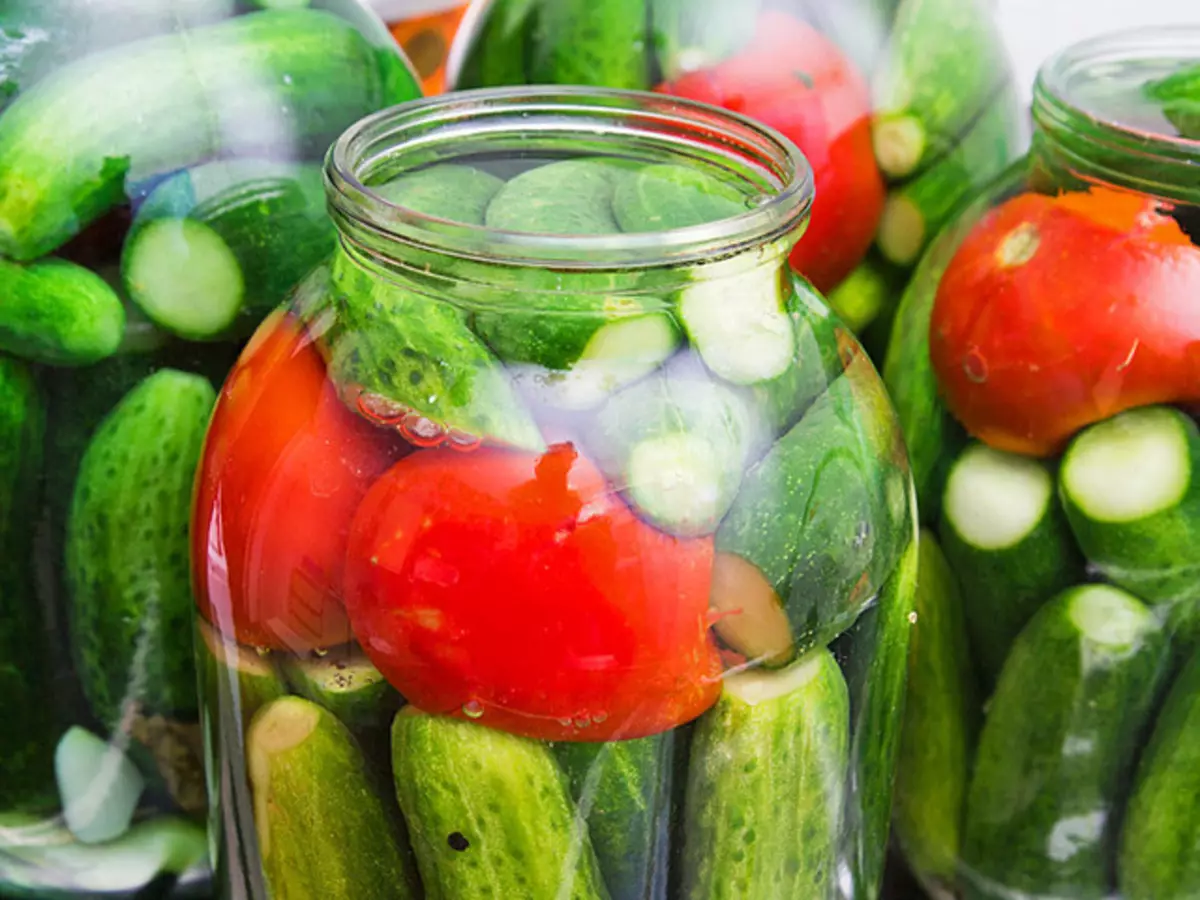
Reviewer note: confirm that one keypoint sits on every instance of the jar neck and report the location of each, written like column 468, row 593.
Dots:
column 1115, row 136
column 548, row 121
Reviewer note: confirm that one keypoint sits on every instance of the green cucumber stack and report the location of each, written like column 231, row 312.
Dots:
column 160, row 194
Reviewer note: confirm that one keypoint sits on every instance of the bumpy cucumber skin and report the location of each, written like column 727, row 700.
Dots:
column 68, row 144
column 826, row 514
column 344, row 682
column 130, row 605
column 765, row 792
column 582, row 42
column 1160, row 837
column 58, row 313
column 1003, row 589
column 874, row 655
column 499, row 55
column 1055, row 753
column 450, row 191
column 625, row 788
column 323, row 828
column 27, row 739
column 505, row 796
column 571, row 197
column 418, row 352
column 666, row 197
column 941, row 720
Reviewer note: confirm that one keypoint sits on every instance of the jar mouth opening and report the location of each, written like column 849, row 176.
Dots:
column 1097, row 87
column 526, row 119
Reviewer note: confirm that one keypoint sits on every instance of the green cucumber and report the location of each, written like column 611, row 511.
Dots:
column 766, row 785
column 68, row 144
column 688, row 35
column 1179, row 96
column 669, row 196
column 867, row 294
column 417, row 353
column 225, row 238
column 874, row 654
column 127, row 550
column 822, row 518
column 44, row 861
column 1058, row 745
column 740, row 323
column 449, row 191
column 918, row 209
column 942, row 63
column 623, row 790
column 345, row 682
column 489, row 813
column 1131, row 491
column 941, row 714
column 58, row 313
column 39, row 36
column 1160, row 836
column 581, row 42
column 1009, row 543
column 499, row 52
column 570, row 197
column 677, row 444
column 239, row 678
column 26, row 743
column 323, row 829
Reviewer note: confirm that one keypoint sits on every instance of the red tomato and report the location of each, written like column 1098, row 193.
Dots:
column 798, row 82
column 285, row 466
column 521, row 591
column 1057, row 312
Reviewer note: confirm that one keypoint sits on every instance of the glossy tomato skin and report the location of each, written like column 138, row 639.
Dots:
column 520, row 591
column 285, row 466
column 795, row 80
column 1057, row 312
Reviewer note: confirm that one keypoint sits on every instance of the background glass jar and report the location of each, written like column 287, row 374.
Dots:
column 1043, row 367
column 904, row 108
column 557, row 450
column 160, row 191
column 425, row 30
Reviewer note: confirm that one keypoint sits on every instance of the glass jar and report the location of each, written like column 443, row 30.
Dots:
column 558, row 451
column 904, row 108
column 160, row 192
column 425, row 30
column 1043, row 367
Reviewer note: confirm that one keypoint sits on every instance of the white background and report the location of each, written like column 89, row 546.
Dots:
column 1036, row 29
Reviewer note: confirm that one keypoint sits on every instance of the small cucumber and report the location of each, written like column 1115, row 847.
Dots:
column 237, row 677
column 499, row 50
column 868, row 294
column 1008, row 541
column 489, row 813
column 345, row 682
column 323, row 829
column 581, row 42
column 58, row 313
column 130, row 605
column 666, row 197
column 449, row 191
column 1160, row 838
column 941, row 720
column 623, row 790
column 1071, row 706
column 766, row 785
column 418, row 354
column 1131, row 489
column 570, row 197
column 68, row 145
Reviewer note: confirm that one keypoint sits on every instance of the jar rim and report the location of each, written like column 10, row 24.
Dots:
column 1060, row 108
column 531, row 111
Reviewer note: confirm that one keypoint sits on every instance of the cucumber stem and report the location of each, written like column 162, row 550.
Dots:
column 995, row 499
column 901, row 235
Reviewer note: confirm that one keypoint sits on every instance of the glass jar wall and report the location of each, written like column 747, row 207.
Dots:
column 160, row 191
column 904, row 109
column 1043, row 367
column 555, row 539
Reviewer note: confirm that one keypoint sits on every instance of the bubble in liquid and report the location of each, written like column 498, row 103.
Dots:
column 975, row 367
column 320, row 652
column 263, row 651
column 421, row 432
column 600, row 718
column 380, row 409
column 565, row 723
column 462, row 441
column 473, row 709
column 583, row 721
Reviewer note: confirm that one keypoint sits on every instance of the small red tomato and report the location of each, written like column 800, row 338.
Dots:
column 1057, row 312
column 795, row 80
column 285, row 466
column 518, row 590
